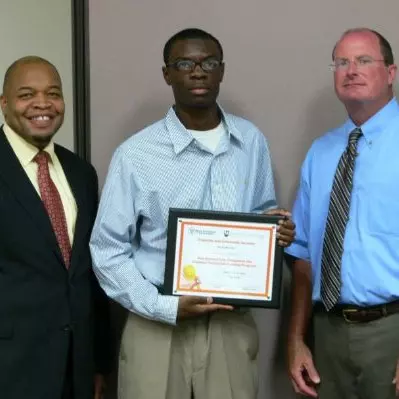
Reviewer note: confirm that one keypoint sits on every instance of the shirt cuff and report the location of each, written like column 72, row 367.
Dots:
column 166, row 309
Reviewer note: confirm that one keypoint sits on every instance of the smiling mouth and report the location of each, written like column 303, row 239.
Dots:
column 40, row 118
column 41, row 121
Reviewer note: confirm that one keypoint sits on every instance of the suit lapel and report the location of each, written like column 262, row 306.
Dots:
column 14, row 176
column 79, row 190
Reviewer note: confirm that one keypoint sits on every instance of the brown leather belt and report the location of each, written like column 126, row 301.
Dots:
column 358, row 314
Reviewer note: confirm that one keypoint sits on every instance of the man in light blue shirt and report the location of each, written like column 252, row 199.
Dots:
column 197, row 157
column 356, row 342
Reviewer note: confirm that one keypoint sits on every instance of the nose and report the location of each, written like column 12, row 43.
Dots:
column 352, row 67
column 198, row 72
column 42, row 101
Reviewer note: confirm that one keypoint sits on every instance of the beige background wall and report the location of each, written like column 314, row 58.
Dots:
column 43, row 28
column 277, row 55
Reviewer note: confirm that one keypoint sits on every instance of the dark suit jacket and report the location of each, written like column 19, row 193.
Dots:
column 42, row 304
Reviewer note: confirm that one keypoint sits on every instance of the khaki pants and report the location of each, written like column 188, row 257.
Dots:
column 211, row 357
column 356, row 361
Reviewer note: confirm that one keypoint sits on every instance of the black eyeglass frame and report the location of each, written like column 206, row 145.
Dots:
column 194, row 64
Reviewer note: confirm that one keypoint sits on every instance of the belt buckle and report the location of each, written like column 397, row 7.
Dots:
column 346, row 312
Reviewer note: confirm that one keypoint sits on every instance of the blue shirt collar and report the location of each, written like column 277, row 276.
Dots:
column 378, row 122
column 181, row 138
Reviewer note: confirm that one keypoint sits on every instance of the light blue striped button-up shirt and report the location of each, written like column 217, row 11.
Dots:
column 161, row 167
column 370, row 262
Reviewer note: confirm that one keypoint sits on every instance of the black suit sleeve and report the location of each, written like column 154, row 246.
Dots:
column 103, row 340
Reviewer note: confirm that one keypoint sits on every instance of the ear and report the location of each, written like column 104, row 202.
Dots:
column 392, row 70
column 166, row 75
column 221, row 71
column 3, row 103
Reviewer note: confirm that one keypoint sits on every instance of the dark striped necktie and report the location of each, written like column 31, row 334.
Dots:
column 338, row 214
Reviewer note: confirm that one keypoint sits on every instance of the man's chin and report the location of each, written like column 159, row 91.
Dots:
column 353, row 99
column 44, row 137
column 202, row 103
column 39, row 140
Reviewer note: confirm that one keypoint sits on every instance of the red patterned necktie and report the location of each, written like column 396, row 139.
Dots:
column 53, row 204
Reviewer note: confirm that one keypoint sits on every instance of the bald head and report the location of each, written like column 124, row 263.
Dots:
column 15, row 66
column 385, row 47
column 32, row 101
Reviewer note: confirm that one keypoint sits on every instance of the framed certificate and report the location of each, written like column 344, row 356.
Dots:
column 232, row 257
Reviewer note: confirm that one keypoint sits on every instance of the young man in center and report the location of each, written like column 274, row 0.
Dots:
column 197, row 157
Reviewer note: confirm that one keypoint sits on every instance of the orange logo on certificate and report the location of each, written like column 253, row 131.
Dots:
column 190, row 275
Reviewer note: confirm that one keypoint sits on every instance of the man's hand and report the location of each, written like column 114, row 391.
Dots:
column 396, row 379
column 286, row 228
column 304, row 376
column 99, row 386
column 191, row 306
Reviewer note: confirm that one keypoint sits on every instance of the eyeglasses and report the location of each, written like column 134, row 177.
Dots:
column 361, row 62
column 187, row 65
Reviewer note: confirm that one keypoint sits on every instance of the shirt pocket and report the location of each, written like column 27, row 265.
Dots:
column 382, row 212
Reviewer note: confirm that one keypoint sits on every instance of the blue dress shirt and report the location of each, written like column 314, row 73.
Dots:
column 370, row 262
column 163, row 166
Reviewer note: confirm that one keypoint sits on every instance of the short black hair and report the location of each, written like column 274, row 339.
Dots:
column 191, row 33
column 30, row 59
column 386, row 49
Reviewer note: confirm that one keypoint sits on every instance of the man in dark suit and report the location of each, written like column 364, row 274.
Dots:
column 53, row 315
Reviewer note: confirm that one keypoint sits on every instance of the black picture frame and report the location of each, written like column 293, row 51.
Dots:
column 176, row 213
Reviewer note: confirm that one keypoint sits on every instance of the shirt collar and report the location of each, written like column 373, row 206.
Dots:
column 181, row 138
column 378, row 122
column 25, row 151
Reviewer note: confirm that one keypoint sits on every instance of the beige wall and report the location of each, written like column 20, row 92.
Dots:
column 43, row 28
column 277, row 55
